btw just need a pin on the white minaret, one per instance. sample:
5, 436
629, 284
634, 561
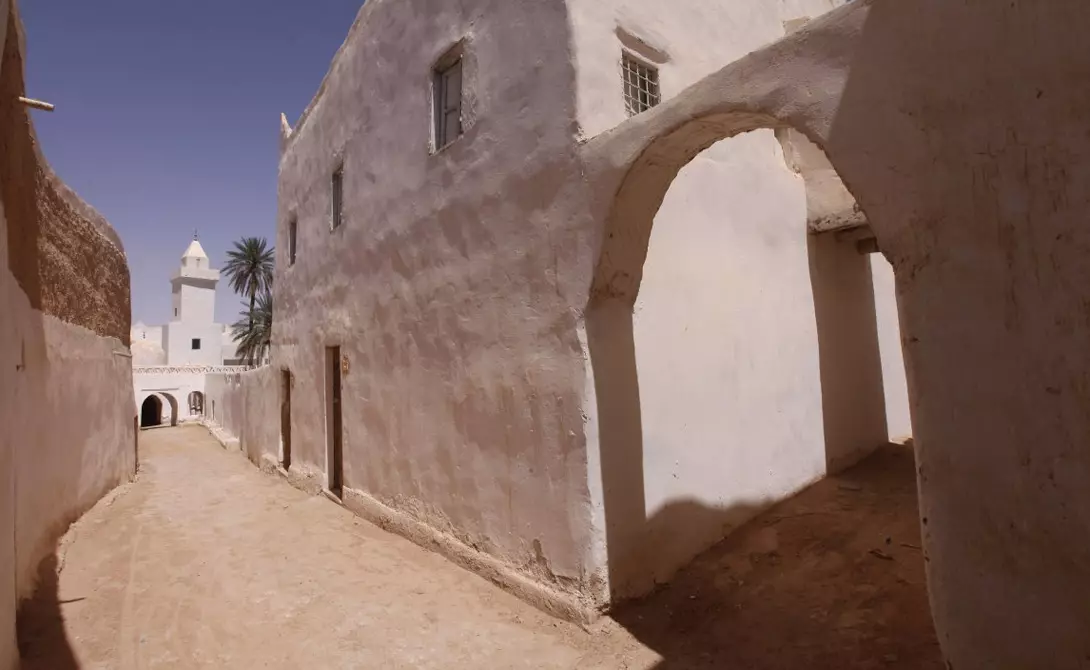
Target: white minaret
193, 287
193, 337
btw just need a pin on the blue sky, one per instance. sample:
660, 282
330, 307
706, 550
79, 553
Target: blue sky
168, 117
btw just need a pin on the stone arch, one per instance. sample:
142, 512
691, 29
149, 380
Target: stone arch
611, 338
159, 397
644, 185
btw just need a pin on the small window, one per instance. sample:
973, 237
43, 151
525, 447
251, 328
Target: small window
293, 229
337, 199
448, 100
641, 85
196, 343
175, 312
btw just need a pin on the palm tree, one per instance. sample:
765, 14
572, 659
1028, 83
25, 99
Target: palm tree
253, 331
249, 267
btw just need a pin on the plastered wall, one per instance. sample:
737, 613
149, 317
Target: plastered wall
450, 287
247, 410
685, 42
729, 421
65, 376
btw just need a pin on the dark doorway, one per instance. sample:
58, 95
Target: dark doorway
151, 412
285, 418
333, 421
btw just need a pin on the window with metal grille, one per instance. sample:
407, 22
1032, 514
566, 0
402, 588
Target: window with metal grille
293, 228
448, 100
336, 199
641, 85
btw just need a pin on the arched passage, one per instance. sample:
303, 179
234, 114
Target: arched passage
153, 403
791, 390
986, 229
151, 412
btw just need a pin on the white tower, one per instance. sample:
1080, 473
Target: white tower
192, 337
193, 287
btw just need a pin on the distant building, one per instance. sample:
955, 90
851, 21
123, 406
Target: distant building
170, 360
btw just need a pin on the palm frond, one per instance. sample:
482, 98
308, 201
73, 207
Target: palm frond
253, 330
249, 266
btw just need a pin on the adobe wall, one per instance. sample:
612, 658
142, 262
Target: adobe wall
684, 42
975, 188
65, 377
450, 287
246, 411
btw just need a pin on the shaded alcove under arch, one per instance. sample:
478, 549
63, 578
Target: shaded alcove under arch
151, 409
833, 239
151, 412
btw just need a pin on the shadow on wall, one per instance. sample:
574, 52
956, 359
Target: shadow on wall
66, 402
832, 578
643, 550
43, 641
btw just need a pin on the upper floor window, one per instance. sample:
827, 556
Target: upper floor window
336, 198
293, 229
196, 344
447, 93
641, 85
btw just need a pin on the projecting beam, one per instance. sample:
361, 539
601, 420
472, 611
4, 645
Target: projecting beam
37, 104
852, 218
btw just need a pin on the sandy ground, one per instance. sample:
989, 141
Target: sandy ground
205, 562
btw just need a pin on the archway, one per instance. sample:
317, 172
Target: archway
813, 279
154, 401
195, 401
803, 394
989, 277
151, 412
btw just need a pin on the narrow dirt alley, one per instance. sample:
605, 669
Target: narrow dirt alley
206, 562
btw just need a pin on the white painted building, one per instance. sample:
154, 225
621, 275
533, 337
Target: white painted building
170, 361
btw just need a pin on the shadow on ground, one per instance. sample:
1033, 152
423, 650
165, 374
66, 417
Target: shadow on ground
832, 578
43, 642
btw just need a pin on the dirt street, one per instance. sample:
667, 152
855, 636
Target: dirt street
205, 562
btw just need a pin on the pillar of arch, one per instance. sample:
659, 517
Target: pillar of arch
976, 192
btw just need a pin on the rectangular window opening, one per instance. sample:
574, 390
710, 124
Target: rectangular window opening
293, 228
448, 100
641, 85
337, 199
196, 343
